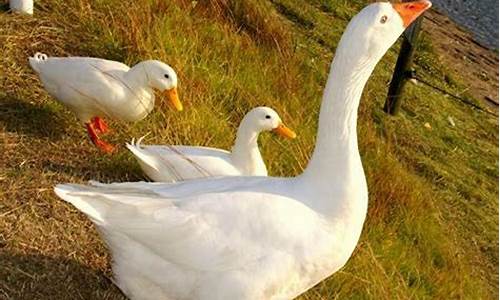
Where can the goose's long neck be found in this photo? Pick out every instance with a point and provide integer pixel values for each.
(245, 152)
(335, 167)
(337, 143)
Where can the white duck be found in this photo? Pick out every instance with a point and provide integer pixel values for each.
(21, 6)
(253, 237)
(175, 163)
(94, 87)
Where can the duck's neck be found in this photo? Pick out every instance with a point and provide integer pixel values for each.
(245, 153)
(138, 85)
(137, 77)
(335, 167)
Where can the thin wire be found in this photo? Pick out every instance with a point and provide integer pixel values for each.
(412, 75)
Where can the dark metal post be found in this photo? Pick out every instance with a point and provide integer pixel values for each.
(402, 68)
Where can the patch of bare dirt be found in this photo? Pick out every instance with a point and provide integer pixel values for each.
(474, 63)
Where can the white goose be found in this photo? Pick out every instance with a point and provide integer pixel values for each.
(253, 237)
(176, 163)
(21, 6)
(94, 87)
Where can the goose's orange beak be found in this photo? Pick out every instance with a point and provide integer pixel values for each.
(173, 97)
(285, 131)
(409, 11)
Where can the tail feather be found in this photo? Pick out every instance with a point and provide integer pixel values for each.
(154, 164)
(105, 204)
(91, 206)
(142, 155)
(37, 60)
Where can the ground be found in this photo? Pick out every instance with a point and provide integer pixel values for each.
(432, 226)
(475, 64)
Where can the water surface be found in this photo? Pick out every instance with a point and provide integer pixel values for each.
(478, 16)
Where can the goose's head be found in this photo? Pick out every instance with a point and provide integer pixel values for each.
(163, 78)
(375, 28)
(266, 119)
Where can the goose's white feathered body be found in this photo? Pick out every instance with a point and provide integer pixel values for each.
(97, 87)
(243, 238)
(253, 237)
(177, 163)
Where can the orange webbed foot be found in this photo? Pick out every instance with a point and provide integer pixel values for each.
(105, 147)
(99, 125)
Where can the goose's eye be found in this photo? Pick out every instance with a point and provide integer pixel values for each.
(268, 117)
(166, 76)
(383, 19)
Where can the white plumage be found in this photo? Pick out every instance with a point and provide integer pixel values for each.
(94, 87)
(176, 163)
(252, 237)
(21, 6)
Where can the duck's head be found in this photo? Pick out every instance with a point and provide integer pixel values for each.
(375, 28)
(163, 78)
(266, 119)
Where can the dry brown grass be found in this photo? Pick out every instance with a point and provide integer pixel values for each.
(258, 18)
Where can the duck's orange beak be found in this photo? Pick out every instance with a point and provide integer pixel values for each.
(409, 11)
(285, 131)
(173, 97)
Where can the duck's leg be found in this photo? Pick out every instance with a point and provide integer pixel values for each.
(99, 125)
(96, 140)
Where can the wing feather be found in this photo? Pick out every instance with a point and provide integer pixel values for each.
(209, 232)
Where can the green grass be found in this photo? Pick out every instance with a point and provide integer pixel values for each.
(432, 228)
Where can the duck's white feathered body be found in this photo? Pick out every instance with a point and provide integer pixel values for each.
(94, 87)
(177, 163)
(253, 237)
(21, 6)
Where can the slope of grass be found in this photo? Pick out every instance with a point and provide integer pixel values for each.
(432, 228)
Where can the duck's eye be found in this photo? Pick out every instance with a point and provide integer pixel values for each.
(268, 117)
(166, 76)
(383, 19)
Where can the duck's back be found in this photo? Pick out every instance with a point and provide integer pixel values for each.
(23, 6)
(88, 86)
(178, 163)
